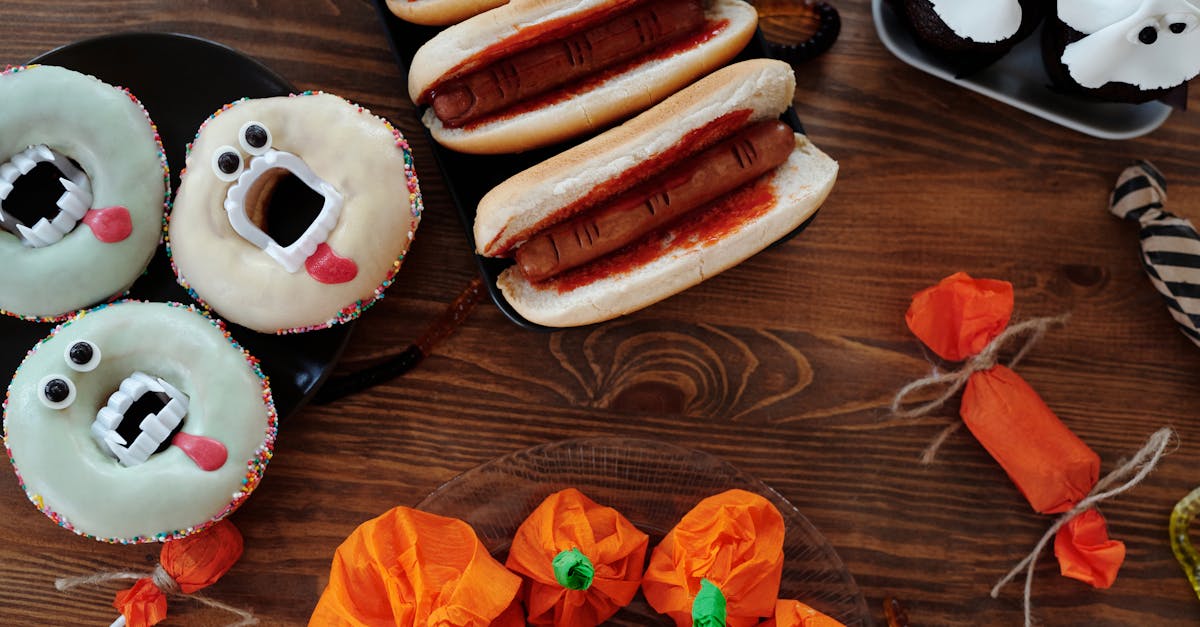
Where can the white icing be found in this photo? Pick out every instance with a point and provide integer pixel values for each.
(343, 145)
(1089, 16)
(1114, 52)
(982, 21)
(111, 138)
(64, 466)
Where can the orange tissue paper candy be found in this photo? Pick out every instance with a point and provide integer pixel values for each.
(581, 562)
(730, 545)
(1049, 464)
(414, 569)
(194, 562)
(959, 316)
(789, 613)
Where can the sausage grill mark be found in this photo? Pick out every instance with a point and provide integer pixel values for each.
(535, 71)
(703, 177)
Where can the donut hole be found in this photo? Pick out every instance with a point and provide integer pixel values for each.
(35, 195)
(147, 404)
(283, 206)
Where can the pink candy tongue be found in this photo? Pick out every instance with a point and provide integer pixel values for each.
(328, 267)
(111, 224)
(208, 453)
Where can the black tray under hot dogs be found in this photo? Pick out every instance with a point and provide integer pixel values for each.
(469, 177)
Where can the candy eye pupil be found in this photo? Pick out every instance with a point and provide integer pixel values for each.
(1148, 35)
(228, 162)
(81, 353)
(57, 390)
(256, 136)
(1178, 27)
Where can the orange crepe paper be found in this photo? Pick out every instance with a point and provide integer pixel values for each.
(959, 316)
(566, 521)
(1050, 465)
(1085, 552)
(789, 613)
(413, 569)
(194, 562)
(513, 616)
(733, 539)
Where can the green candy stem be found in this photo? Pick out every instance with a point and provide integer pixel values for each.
(708, 609)
(573, 570)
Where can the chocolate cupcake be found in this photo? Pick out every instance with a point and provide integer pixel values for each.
(970, 35)
(1124, 50)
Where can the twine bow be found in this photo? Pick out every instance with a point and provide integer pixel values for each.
(954, 381)
(162, 580)
(184, 566)
(1132, 471)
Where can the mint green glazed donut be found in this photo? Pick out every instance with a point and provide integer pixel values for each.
(108, 221)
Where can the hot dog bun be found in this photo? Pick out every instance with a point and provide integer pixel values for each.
(525, 203)
(606, 102)
(439, 12)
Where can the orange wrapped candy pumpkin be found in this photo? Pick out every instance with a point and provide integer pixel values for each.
(721, 565)
(581, 562)
(410, 568)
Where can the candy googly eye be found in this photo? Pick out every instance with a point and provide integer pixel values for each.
(227, 163)
(1180, 23)
(56, 391)
(255, 137)
(1144, 32)
(82, 356)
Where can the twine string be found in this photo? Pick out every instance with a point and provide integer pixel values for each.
(1132, 472)
(954, 381)
(164, 582)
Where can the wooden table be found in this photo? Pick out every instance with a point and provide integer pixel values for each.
(784, 366)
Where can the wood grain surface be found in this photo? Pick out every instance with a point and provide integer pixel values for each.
(783, 366)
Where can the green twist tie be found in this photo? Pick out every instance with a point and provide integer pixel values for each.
(708, 610)
(573, 570)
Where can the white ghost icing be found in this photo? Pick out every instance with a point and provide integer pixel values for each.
(982, 21)
(1117, 53)
(1089, 16)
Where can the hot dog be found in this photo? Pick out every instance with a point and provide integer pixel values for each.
(679, 193)
(534, 72)
(747, 155)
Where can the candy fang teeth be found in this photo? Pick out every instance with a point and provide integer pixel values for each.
(73, 204)
(154, 429)
(290, 257)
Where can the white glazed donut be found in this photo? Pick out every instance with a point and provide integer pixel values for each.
(138, 422)
(218, 236)
(108, 221)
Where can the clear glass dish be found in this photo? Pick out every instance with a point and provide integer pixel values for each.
(653, 484)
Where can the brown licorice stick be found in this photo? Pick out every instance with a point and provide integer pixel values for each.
(752, 152)
(441, 328)
(544, 67)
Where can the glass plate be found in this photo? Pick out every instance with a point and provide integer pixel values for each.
(1018, 79)
(181, 80)
(653, 484)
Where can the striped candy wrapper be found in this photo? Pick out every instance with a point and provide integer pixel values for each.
(1170, 244)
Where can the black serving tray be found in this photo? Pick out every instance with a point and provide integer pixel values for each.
(182, 80)
(470, 177)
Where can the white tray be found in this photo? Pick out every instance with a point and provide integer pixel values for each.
(1019, 79)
